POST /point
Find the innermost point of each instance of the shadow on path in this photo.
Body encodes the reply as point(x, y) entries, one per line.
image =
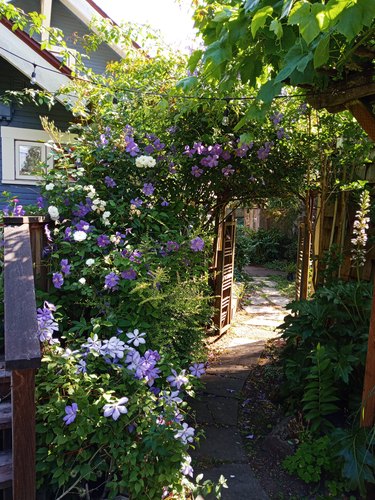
point(222, 451)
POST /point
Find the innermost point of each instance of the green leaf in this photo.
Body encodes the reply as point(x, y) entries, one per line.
point(222, 16)
point(187, 83)
point(350, 22)
point(292, 59)
point(194, 59)
point(251, 5)
point(321, 54)
point(299, 13)
point(309, 29)
point(217, 52)
point(286, 8)
point(269, 90)
point(259, 19)
point(277, 28)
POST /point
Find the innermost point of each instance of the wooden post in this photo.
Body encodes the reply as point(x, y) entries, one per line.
point(22, 354)
point(23, 434)
point(368, 395)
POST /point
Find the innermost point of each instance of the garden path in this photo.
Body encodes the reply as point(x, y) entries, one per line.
point(216, 409)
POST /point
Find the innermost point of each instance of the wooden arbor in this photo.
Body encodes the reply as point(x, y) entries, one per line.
point(357, 94)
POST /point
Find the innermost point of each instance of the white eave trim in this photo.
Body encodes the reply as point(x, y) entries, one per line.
point(85, 12)
point(51, 81)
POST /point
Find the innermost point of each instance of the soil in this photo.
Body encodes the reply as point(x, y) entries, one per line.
point(269, 434)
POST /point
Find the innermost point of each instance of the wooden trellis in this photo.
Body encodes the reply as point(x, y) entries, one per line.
point(222, 269)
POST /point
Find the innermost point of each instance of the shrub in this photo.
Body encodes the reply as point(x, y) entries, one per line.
point(336, 319)
point(259, 247)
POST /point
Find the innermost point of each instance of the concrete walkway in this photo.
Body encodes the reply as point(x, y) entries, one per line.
point(216, 409)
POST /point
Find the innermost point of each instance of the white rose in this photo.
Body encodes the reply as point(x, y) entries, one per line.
point(53, 212)
point(90, 262)
point(82, 281)
point(50, 186)
point(79, 235)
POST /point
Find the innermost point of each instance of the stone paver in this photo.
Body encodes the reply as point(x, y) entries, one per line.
point(221, 451)
point(262, 321)
point(242, 484)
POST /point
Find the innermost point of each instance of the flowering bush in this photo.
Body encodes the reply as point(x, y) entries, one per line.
point(112, 411)
point(123, 342)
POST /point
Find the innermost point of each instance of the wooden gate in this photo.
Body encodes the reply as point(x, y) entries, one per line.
point(222, 269)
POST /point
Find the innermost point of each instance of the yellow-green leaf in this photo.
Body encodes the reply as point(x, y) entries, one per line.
point(259, 19)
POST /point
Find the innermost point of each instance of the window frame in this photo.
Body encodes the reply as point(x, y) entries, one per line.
point(11, 137)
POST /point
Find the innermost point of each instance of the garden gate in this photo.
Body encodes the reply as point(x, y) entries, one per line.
point(222, 268)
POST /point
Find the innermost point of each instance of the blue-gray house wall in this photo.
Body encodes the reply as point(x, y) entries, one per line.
point(73, 29)
point(26, 116)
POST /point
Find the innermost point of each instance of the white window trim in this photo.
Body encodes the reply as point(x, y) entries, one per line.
point(9, 136)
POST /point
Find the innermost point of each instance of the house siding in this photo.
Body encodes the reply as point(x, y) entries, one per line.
point(26, 116)
point(72, 28)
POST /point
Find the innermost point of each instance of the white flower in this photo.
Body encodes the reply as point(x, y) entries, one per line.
point(82, 281)
point(93, 343)
point(145, 161)
point(53, 212)
point(49, 186)
point(79, 235)
point(136, 338)
point(91, 191)
point(114, 410)
point(113, 347)
point(106, 215)
point(90, 262)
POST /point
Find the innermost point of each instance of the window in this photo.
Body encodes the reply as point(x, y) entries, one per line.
point(23, 153)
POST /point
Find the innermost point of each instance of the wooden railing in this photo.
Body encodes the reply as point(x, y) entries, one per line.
point(22, 347)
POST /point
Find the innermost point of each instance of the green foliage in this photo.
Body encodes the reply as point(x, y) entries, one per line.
point(270, 42)
point(337, 318)
point(319, 398)
point(135, 455)
point(312, 460)
point(259, 247)
point(355, 447)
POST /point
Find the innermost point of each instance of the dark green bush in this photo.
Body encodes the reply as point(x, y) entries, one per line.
point(326, 341)
point(259, 247)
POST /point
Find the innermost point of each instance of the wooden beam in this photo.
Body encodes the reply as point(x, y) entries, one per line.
point(23, 435)
point(22, 346)
point(368, 395)
point(337, 95)
point(363, 116)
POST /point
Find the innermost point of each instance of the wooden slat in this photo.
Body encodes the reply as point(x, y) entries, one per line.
point(23, 435)
point(5, 469)
point(5, 416)
point(22, 347)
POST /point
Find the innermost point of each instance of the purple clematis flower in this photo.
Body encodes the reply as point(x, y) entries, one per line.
point(65, 266)
point(109, 182)
point(197, 244)
point(196, 171)
point(197, 369)
point(57, 280)
point(129, 274)
point(103, 241)
point(71, 413)
point(148, 189)
point(111, 281)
